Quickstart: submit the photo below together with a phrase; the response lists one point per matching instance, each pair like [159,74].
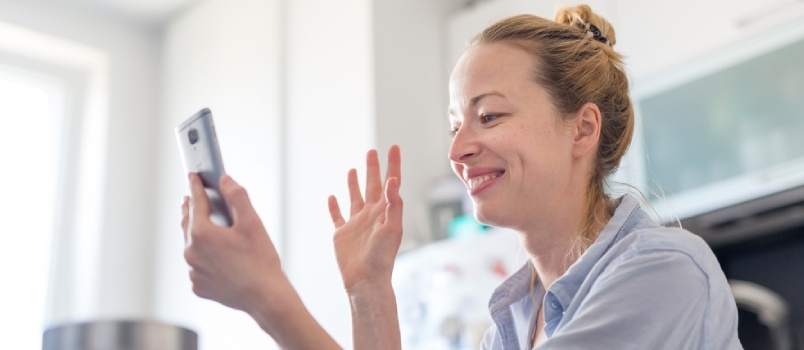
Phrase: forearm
[285,318]
[375,324]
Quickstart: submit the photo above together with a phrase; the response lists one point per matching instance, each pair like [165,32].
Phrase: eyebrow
[475,100]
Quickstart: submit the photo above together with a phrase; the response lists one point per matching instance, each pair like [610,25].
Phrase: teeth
[481,179]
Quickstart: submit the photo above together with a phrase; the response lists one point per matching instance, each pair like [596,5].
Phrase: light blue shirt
[639,286]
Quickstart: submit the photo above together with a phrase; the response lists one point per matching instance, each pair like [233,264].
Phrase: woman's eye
[453,131]
[489,117]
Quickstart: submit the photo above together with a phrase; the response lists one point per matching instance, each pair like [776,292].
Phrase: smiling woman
[541,116]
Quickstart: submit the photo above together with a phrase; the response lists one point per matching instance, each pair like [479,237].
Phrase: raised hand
[366,245]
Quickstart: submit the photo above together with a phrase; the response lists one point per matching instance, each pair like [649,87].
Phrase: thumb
[236,196]
[199,204]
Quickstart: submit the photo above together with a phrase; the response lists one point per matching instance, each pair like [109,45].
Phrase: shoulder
[660,240]
[631,232]
[678,277]
[672,252]
[677,257]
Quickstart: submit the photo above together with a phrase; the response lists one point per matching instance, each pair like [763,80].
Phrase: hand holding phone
[201,154]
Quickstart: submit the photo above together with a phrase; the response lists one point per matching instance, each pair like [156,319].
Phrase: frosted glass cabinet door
[732,130]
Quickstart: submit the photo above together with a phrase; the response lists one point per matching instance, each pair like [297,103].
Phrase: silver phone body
[201,154]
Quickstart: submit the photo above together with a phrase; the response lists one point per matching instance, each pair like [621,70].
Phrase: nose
[465,145]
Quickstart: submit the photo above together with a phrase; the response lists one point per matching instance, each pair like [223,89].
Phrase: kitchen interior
[90,91]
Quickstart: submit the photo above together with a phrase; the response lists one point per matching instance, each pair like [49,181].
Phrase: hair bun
[584,18]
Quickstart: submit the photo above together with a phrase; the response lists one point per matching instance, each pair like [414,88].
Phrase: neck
[551,254]
[554,246]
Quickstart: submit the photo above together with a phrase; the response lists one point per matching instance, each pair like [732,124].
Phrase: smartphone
[201,154]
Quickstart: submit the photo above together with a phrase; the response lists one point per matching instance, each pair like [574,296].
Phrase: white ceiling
[151,11]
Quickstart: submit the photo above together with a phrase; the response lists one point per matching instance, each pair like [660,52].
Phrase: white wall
[124,280]
[225,55]
[410,84]
[330,126]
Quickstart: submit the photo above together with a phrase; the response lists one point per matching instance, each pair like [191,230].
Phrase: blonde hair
[576,64]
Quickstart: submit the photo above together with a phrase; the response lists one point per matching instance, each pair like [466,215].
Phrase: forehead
[490,67]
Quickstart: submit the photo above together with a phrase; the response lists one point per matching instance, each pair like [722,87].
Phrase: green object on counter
[465,226]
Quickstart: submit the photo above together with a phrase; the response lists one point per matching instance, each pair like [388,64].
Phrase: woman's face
[510,147]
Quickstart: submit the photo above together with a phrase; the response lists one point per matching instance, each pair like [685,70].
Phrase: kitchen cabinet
[658,35]
[722,128]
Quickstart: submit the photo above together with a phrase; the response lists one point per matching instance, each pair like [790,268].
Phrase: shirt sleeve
[651,300]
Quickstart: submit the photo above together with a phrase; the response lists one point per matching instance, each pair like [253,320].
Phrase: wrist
[375,323]
[368,294]
[271,298]
[280,312]
[368,285]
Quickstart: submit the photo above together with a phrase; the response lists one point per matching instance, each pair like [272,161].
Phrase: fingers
[354,193]
[373,182]
[394,165]
[185,217]
[236,196]
[393,208]
[199,204]
[335,212]
[374,186]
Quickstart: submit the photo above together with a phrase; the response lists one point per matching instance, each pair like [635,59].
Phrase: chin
[488,217]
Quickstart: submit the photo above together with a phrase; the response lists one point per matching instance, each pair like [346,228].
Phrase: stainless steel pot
[119,335]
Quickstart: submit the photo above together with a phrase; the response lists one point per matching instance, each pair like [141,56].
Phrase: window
[31,110]
[53,116]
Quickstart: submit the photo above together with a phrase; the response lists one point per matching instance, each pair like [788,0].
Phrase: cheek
[457,168]
[538,152]
[513,140]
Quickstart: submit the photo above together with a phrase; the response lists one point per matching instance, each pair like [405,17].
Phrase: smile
[476,182]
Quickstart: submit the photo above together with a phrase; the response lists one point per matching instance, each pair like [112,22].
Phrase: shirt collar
[564,289]
[566,286]
[512,308]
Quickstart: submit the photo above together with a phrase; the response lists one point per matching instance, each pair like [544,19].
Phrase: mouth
[479,182]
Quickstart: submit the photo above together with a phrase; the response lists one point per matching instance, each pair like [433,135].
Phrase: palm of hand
[367,244]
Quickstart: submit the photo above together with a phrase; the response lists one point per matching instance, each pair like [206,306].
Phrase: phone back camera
[193,135]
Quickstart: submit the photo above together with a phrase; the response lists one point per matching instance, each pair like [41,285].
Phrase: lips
[478,179]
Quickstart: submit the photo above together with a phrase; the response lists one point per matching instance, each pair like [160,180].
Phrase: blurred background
[90,91]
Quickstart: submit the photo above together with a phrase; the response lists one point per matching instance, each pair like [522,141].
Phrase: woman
[540,117]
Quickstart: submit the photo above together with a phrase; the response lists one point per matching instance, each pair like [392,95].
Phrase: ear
[586,130]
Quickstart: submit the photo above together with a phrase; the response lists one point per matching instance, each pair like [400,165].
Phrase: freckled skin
[526,140]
